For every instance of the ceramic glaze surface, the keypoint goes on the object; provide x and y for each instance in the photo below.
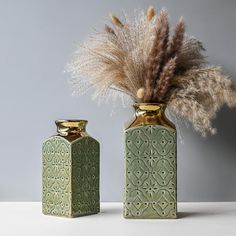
(150, 175)
(70, 176)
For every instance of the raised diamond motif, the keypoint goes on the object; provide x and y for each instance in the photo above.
(150, 172)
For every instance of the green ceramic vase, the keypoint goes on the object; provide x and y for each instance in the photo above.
(70, 171)
(150, 165)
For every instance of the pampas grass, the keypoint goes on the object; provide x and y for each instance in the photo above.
(164, 82)
(150, 13)
(116, 21)
(177, 39)
(144, 60)
(156, 55)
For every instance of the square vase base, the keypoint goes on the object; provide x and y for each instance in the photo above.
(74, 215)
(149, 210)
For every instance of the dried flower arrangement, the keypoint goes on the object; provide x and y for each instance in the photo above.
(143, 60)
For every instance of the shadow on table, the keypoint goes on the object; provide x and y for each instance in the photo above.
(204, 214)
(194, 214)
(181, 215)
(114, 210)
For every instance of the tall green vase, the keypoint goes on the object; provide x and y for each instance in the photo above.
(70, 171)
(150, 164)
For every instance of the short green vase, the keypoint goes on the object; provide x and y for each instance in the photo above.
(70, 171)
(150, 165)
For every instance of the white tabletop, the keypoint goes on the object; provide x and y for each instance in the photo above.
(26, 219)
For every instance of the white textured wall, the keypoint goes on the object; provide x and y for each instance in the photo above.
(37, 39)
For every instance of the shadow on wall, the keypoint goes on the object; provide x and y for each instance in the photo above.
(226, 126)
(209, 174)
(225, 144)
(221, 167)
(225, 121)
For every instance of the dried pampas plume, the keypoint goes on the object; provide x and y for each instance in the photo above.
(150, 13)
(140, 93)
(156, 55)
(144, 60)
(108, 29)
(116, 21)
(164, 82)
(177, 39)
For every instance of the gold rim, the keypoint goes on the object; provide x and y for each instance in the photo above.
(66, 127)
(150, 106)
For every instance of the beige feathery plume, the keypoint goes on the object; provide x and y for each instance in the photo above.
(150, 13)
(190, 55)
(141, 62)
(177, 39)
(116, 21)
(109, 30)
(156, 55)
(164, 81)
(148, 89)
(206, 86)
(189, 109)
(165, 51)
(140, 93)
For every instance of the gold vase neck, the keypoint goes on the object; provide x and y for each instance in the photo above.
(151, 114)
(71, 127)
(149, 109)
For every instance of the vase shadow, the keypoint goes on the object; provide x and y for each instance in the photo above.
(112, 211)
(190, 214)
(202, 214)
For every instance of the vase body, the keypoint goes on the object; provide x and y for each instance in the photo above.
(150, 165)
(70, 171)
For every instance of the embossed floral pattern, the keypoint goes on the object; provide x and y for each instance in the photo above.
(150, 190)
(70, 176)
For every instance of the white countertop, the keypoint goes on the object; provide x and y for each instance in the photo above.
(26, 219)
